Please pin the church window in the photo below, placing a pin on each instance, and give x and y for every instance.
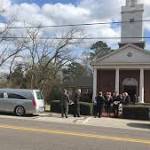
(130, 54)
(132, 20)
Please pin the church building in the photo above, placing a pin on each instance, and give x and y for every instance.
(126, 69)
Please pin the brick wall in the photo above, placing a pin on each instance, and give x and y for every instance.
(147, 86)
(106, 80)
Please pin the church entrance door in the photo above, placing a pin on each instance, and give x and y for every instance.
(130, 85)
(132, 91)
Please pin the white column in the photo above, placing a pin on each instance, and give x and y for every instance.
(94, 83)
(141, 85)
(117, 80)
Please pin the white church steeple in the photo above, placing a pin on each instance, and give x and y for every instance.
(132, 25)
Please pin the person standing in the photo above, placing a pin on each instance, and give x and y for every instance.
(108, 103)
(76, 105)
(126, 98)
(116, 101)
(134, 99)
(64, 104)
(99, 103)
(95, 107)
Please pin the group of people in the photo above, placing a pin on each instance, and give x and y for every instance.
(110, 103)
(65, 102)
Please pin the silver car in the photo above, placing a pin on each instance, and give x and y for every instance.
(21, 101)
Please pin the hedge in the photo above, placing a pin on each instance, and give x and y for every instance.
(85, 108)
(55, 106)
(140, 112)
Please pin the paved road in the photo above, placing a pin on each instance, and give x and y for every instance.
(32, 135)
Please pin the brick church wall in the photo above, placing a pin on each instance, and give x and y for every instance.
(147, 86)
(106, 80)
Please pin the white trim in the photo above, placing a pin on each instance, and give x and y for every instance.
(94, 83)
(122, 63)
(130, 66)
(117, 81)
(142, 85)
(96, 60)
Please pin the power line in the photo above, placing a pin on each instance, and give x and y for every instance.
(74, 38)
(82, 24)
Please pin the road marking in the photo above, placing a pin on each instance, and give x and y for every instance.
(85, 135)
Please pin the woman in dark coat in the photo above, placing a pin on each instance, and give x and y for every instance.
(100, 103)
(117, 99)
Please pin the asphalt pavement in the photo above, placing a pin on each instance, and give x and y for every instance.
(87, 121)
(30, 133)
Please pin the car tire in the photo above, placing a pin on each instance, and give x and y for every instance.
(19, 111)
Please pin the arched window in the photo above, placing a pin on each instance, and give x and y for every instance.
(130, 82)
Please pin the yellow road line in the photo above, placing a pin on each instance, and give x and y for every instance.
(94, 136)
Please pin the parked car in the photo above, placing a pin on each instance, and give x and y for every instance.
(21, 101)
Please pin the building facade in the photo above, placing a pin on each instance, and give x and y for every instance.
(126, 69)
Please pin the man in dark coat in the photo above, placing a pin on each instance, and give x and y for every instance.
(64, 104)
(126, 98)
(94, 107)
(76, 105)
(100, 103)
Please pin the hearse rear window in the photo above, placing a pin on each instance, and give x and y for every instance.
(39, 95)
(15, 96)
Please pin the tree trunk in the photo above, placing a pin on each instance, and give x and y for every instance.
(32, 81)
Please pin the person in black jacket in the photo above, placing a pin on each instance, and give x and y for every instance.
(99, 104)
(121, 99)
(126, 98)
(95, 107)
(116, 102)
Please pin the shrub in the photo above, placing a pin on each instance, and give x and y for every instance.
(140, 112)
(85, 108)
(55, 106)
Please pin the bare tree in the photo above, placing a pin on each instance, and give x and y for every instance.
(9, 45)
(45, 52)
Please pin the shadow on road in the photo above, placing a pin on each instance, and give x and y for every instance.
(12, 114)
(139, 125)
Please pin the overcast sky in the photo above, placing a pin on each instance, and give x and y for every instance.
(57, 12)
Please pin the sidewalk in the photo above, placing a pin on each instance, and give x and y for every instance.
(56, 117)
(97, 122)
(87, 120)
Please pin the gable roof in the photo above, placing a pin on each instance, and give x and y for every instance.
(112, 53)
